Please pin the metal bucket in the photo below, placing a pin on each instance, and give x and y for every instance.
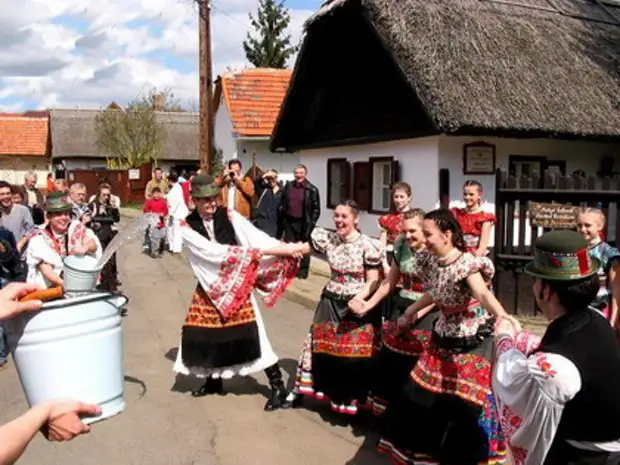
(80, 273)
(72, 349)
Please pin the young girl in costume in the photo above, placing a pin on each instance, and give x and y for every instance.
(475, 223)
(446, 411)
(337, 358)
(400, 349)
(390, 225)
(590, 224)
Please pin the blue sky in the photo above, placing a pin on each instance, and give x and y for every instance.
(78, 53)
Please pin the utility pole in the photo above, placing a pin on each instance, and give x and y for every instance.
(206, 83)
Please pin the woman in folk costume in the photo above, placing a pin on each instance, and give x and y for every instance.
(446, 413)
(591, 223)
(337, 358)
(400, 348)
(223, 334)
(60, 237)
(390, 225)
(558, 397)
(475, 223)
(177, 210)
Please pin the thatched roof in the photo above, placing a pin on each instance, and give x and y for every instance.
(549, 67)
(73, 135)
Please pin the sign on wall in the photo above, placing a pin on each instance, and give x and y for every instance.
(478, 158)
(553, 215)
(134, 174)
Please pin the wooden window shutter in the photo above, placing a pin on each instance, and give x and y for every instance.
(362, 182)
(345, 187)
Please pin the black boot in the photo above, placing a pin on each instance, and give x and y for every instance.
(211, 386)
(278, 390)
(293, 400)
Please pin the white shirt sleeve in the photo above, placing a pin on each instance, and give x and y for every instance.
(531, 392)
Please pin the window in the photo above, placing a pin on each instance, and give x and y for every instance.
(372, 181)
(381, 185)
(338, 181)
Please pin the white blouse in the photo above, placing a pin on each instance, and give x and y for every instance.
(531, 391)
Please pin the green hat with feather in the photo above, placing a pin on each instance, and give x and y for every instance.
(57, 202)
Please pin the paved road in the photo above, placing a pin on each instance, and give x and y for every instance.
(164, 425)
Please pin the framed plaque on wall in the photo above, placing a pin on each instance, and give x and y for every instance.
(478, 158)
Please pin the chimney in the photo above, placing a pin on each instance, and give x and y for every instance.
(159, 102)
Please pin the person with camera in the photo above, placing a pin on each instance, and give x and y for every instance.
(237, 190)
(266, 213)
(57, 420)
(105, 215)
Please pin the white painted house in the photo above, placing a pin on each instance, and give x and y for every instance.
(436, 92)
(247, 103)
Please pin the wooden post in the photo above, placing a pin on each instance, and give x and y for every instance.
(253, 166)
(206, 89)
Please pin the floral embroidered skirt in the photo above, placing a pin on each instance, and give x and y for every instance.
(399, 352)
(445, 412)
(338, 359)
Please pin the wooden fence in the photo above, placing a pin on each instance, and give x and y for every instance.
(515, 232)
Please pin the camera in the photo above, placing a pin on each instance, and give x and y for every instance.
(231, 174)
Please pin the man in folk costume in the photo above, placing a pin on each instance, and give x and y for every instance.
(60, 238)
(559, 397)
(223, 333)
(177, 212)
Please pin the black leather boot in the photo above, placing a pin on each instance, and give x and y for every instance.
(211, 386)
(278, 390)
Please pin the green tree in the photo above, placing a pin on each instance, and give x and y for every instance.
(270, 47)
(217, 162)
(130, 137)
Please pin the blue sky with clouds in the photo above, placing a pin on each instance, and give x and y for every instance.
(84, 53)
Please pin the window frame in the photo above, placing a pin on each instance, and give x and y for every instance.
(393, 176)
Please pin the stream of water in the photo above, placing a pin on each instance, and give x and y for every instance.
(134, 230)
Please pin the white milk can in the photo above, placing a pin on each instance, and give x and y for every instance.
(72, 349)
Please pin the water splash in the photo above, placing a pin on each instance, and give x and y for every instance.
(134, 230)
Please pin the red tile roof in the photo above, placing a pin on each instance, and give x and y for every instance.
(253, 98)
(24, 134)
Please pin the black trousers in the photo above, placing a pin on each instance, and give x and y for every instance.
(294, 232)
(562, 453)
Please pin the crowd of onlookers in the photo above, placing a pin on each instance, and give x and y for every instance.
(287, 211)
(22, 216)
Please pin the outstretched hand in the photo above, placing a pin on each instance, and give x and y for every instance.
(63, 420)
(9, 300)
(508, 325)
(358, 306)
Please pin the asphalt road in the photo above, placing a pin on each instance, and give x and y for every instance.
(163, 424)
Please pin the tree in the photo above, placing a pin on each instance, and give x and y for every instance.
(271, 46)
(217, 162)
(130, 137)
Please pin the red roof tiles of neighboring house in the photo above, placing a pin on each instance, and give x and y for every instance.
(24, 134)
(253, 98)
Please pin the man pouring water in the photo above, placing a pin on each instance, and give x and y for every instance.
(60, 238)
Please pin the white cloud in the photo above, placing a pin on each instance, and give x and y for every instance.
(68, 53)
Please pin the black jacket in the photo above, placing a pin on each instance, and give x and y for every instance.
(104, 217)
(312, 206)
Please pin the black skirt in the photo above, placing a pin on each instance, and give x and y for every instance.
(399, 352)
(343, 352)
(445, 412)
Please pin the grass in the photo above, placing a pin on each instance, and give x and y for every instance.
(134, 206)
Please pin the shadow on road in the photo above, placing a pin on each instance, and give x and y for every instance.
(139, 382)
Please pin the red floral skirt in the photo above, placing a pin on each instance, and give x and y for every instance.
(445, 412)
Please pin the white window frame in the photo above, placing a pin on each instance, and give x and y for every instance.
(379, 188)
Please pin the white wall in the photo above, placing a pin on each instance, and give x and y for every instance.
(419, 166)
(578, 155)
(284, 163)
(13, 169)
(223, 132)
(84, 163)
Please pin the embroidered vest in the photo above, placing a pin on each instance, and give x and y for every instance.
(586, 339)
(222, 226)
